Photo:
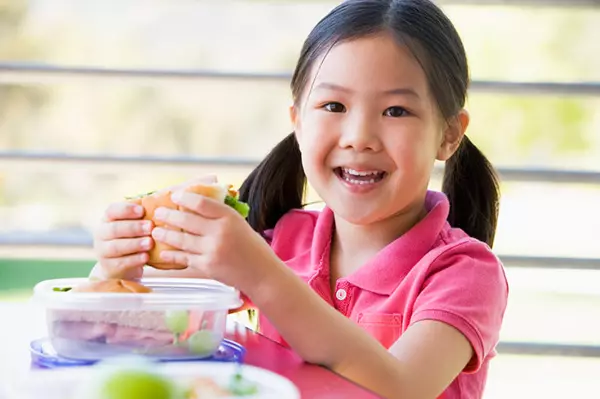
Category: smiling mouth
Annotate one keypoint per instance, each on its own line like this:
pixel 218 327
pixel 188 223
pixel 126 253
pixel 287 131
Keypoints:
pixel 352 176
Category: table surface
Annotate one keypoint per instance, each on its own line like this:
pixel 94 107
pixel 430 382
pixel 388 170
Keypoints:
pixel 20 323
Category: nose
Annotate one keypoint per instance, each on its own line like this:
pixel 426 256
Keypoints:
pixel 359 133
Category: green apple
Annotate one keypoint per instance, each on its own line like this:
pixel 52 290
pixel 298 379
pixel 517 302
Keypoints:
pixel 130 381
pixel 130 384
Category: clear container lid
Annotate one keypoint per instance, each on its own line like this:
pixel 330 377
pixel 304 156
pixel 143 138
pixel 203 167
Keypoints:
pixel 167 293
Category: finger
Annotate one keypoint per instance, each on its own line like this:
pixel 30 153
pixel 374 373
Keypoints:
pixel 123 246
pixel 179 258
pixel 189 222
pixel 123 210
pixel 124 229
pixel 125 266
pixel 200 204
pixel 180 240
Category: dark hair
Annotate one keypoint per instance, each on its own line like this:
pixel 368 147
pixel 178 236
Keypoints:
pixel 277 185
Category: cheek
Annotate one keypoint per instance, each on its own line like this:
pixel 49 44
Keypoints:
pixel 317 136
pixel 412 148
pixel 317 140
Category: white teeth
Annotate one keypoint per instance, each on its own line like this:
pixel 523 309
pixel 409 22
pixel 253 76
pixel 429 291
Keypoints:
pixel 352 181
pixel 360 178
pixel 357 173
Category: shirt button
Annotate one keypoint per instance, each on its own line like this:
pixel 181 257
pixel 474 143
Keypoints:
pixel 341 294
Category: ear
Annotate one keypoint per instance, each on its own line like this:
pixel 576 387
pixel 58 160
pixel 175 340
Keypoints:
pixel 453 133
pixel 295 119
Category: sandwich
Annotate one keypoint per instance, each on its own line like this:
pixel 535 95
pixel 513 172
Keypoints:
pixel 116 286
pixel 156 199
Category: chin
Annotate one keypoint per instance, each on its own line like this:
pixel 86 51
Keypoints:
pixel 363 217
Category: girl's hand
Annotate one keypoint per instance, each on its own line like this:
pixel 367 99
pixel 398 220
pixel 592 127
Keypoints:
pixel 123 239
pixel 121 242
pixel 215 240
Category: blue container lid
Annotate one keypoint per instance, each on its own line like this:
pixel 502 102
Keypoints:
pixel 43 355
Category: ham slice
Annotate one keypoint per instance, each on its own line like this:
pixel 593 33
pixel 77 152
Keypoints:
pixel 112 334
pixel 146 320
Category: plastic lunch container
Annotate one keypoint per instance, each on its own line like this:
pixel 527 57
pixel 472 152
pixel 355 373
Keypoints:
pixel 180 319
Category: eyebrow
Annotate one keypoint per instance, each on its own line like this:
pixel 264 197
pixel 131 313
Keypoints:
pixel 405 91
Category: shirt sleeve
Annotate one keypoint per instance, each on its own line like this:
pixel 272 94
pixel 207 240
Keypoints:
pixel 466 288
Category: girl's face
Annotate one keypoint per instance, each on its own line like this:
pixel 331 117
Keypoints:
pixel 369 130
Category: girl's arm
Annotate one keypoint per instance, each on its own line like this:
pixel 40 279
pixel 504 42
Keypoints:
pixel 420 365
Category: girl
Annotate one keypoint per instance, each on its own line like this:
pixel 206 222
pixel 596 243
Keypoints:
pixel 392 286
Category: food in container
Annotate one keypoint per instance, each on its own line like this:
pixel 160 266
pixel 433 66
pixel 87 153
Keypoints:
pixel 163 318
pixel 110 285
pixel 131 379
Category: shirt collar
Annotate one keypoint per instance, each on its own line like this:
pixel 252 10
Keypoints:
pixel 383 273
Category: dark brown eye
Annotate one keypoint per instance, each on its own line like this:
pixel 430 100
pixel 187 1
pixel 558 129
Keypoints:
pixel 334 107
pixel 395 112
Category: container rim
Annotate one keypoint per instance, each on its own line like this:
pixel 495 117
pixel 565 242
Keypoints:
pixel 187 292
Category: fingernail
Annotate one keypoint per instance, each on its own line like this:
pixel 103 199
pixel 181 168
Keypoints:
pixel 177 196
pixel 160 213
pixel 138 210
pixel 146 243
pixel 147 228
pixel 158 233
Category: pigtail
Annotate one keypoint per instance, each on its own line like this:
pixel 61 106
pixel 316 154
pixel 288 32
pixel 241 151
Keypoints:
pixel 472 187
pixel 275 186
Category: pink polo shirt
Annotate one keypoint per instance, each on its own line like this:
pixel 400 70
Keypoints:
pixel 432 272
